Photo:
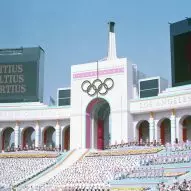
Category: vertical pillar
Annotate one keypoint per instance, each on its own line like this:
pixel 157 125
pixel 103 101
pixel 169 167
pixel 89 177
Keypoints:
pixel 179 129
pixel 92 132
pixel 57 135
pixel 112 45
pixel 151 128
pixel 157 131
pixel 135 138
pixel 17 135
pixel 173 126
pixel 37 135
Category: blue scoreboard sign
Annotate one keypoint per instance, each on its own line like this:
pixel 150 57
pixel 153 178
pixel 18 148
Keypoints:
pixel 180 36
pixel 21 75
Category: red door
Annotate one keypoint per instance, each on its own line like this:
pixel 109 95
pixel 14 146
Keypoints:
pixel 100 134
pixel 45 136
pixel 67 139
pixel 184 134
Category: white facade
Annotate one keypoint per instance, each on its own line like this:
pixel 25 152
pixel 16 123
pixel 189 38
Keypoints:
pixel 22 116
pixel 125 110
pixel 117 98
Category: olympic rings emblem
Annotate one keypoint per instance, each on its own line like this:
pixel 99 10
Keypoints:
pixel 97 86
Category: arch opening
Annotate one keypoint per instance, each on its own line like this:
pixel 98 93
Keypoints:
pixel 165 131
pixel 8 139
pixel 49 138
pixel 28 138
pixel 143 131
pixel 66 138
pixel 186 129
pixel 97 124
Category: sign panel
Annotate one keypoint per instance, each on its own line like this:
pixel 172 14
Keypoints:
pixel 18 82
pixel 64 97
pixel 182 58
pixel 180 37
pixel 21 75
pixel 160 103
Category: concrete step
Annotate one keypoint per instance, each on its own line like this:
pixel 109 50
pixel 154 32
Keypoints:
pixel 70 159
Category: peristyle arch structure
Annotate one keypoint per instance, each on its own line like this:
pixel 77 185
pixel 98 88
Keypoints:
pixel 28 137
pixel 97 124
pixel 165 131
pixel 49 137
pixel 186 128
pixel 143 129
pixel 66 138
pixel 7 138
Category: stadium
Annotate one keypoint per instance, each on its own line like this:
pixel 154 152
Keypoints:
pixel 114 128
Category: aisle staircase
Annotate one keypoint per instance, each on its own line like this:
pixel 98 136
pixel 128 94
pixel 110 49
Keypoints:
pixel 63 163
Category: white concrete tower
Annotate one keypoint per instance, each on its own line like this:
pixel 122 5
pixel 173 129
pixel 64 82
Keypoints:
pixel 112 55
pixel 119 122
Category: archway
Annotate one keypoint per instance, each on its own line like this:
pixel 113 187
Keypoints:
pixel 97 124
pixel 186 128
pixel 49 137
pixel 28 138
pixel 66 138
pixel 143 131
pixel 8 139
pixel 165 131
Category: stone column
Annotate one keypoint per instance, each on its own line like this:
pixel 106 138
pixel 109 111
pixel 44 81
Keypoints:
pixel 17 135
pixel 157 132
pixel 173 126
pixel 179 133
pixel 57 135
pixel 151 128
pixel 135 137
pixel 37 135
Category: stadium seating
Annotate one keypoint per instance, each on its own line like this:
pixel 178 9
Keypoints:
pixel 182 186
pixel 15 168
pixel 97 170
pixel 94 172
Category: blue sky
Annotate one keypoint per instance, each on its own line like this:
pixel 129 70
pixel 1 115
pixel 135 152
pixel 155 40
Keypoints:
pixel 76 31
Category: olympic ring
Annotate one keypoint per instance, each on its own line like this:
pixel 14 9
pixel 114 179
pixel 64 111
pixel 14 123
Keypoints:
pixel 97 86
